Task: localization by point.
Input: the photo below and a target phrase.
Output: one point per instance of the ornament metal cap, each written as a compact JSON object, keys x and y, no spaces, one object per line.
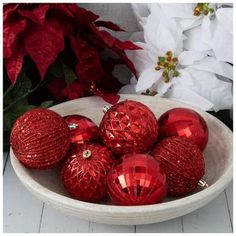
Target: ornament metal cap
{"x":203,"y":184}
{"x":105,"y":108}
{"x":87,"y":154}
{"x":72,"y":126}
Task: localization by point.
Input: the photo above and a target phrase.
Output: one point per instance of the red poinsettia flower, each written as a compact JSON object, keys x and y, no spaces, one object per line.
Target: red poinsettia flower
{"x":40,"y":30}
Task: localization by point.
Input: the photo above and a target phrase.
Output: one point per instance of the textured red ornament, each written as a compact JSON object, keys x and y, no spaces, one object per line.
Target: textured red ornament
{"x":85,"y":171}
{"x":40,"y":138}
{"x":183,"y":163}
{"x":185,"y":123}
{"x":82,"y":129}
{"x":129,"y":126}
{"x":137,"y":180}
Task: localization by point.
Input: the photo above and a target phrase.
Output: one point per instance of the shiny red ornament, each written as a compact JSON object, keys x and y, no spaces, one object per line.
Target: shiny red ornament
{"x":82,"y":129}
{"x":84,"y":172}
{"x":129,"y":127}
{"x":40,"y":138}
{"x":183,"y":163}
{"x":185,"y":123}
{"x":137,"y":180}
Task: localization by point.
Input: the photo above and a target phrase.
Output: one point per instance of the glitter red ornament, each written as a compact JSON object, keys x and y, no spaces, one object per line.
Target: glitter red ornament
{"x":82,"y":129}
{"x":183,"y":163}
{"x":84,"y":172}
{"x":185,"y":123}
{"x":40,"y":138}
{"x":129,"y":127}
{"x":137,"y":180}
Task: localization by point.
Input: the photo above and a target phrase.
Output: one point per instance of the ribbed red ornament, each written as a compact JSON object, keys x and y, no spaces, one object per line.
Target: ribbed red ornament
{"x":84,"y":172}
{"x":183,"y":163}
{"x":40,"y":138}
{"x":137,"y":180}
{"x":82,"y":129}
{"x":129,"y":127}
{"x":184,"y":122}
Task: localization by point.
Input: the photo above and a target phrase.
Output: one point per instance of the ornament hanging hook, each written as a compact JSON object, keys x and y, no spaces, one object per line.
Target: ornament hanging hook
{"x":105,"y":108}
{"x":203,"y":184}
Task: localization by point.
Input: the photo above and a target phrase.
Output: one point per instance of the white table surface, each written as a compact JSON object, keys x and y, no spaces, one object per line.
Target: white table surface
{"x":22,"y":212}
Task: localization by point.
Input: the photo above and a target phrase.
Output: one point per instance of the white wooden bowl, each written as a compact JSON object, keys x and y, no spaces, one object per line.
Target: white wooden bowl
{"x":46,"y":186}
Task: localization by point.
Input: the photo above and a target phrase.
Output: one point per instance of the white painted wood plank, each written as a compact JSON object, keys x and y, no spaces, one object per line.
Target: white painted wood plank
{"x":54,"y":221}
{"x":229,"y":195}
{"x":213,"y":218}
{"x":5,"y":156}
{"x":170,"y":226}
{"x":21,"y":210}
{"x":102,"y":228}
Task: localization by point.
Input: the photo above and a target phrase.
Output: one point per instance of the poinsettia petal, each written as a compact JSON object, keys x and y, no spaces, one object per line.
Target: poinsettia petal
{"x":81,"y":14}
{"x":37,"y":15}
{"x":185,"y":95}
{"x":189,"y":57}
{"x":109,"y":25}
{"x":217,"y":91}
{"x":211,"y":64}
{"x":147,"y":78}
{"x":44,"y":43}
{"x":88,"y":66}
{"x":140,"y":58}
{"x":184,"y":78}
{"x":111,"y":98}
{"x":162,"y":33}
{"x":222,"y":35}
{"x":8,"y":10}
{"x":14,"y":64}
{"x":178,"y":10}
{"x":11,"y":32}
{"x":194,"y":40}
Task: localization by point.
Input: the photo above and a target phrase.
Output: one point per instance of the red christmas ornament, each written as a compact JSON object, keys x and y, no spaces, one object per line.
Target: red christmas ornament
{"x":85,"y":171}
{"x":137,"y":180}
{"x":40,"y":138}
{"x":129,"y":126}
{"x":183,"y":163}
{"x":82,"y":129}
{"x":185,"y":123}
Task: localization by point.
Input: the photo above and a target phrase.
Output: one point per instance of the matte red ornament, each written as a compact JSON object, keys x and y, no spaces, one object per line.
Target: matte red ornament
{"x":137,"y":180}
{"x":185,"y":123}
{"x":85,"y":171}
{"x":183,"y":163}
{"x":40,"y":138}
{"x":129,"y":127}
{"x":82,"y":129}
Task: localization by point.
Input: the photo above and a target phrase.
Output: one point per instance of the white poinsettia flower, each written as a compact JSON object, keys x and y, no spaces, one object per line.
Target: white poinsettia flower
{"x":207,"y":26}
{"x":163,"y":66}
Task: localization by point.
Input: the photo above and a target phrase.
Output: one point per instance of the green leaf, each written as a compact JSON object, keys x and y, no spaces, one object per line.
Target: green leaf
{"x":56,"y":69}
{"x":69,"y":74}
{"x":21,"y":87}
{"x":47,"y":104}
{"x":16,"y":111}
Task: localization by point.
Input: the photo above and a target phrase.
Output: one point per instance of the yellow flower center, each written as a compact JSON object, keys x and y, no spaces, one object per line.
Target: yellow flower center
{"x":168,"y":64}
{"x":202,"y":9}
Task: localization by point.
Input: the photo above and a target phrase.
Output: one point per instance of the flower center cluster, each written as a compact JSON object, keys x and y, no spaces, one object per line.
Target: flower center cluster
{"x":168,"y":64}
{"x":202,"y":9}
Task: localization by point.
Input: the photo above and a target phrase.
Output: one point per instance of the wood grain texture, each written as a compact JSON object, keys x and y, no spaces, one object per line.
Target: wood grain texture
{"x":54,"y":221}
{"x":229,"y":199}
{"x":5,"y":158}
{"x":213,"y":218}
{"x":101,"y":228}
{"x":170,"y":226}
{"x":21,"y":210}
